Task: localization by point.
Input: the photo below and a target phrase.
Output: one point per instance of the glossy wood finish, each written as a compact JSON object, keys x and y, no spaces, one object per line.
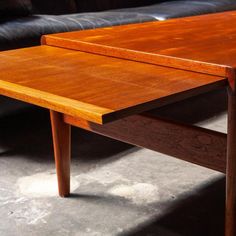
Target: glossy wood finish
{"x":96,"y":88}
{"x":201,"y":43}
{"x":193,"y":144}
{"x":168,"y":62}
{"x":62,"y":151}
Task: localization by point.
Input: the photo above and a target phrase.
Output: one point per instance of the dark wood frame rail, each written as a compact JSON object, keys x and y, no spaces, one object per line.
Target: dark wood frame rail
{"x":190,"y":143}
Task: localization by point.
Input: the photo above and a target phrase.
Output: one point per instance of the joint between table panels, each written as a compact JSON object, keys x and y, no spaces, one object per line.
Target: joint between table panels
{"x":231,"y":76}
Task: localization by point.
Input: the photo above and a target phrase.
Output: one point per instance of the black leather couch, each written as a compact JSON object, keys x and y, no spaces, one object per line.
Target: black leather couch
{"x":22,"y":22}
{"x":21,"y":28}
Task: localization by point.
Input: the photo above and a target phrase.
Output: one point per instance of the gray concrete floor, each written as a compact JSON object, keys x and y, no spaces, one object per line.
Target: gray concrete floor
{"x":118,"y":189}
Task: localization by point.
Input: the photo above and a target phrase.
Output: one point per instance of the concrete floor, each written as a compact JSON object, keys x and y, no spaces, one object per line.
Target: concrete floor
{"x":118,"y":189}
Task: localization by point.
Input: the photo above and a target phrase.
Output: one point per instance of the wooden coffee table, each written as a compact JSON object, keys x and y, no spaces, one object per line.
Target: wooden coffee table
{"x":104,"y":80}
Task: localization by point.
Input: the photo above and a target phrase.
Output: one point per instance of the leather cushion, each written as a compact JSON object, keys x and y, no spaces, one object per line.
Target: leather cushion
{"x":9,"y":8}
{"x":31,"y":28}
{"x":181,"y":8}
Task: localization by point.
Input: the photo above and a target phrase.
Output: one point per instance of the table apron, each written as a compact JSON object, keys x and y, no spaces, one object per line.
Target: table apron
{"x":187,"y":142}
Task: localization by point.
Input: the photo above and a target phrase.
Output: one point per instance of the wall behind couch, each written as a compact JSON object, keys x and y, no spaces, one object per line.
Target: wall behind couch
{"x":54,"y":6}
{"x":100,"y":5}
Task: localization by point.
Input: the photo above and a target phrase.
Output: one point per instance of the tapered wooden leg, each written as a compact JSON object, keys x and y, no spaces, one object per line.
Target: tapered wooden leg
{"x":230,"y":223}
{"x":61,"y":133}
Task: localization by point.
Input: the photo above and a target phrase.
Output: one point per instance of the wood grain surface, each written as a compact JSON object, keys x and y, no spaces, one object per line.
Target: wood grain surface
{"x":93,"y":87}
{"x":203,"y":43}
{"x":61,"y":133}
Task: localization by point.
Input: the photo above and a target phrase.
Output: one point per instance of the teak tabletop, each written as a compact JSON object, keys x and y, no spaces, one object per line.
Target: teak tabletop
{"x":102,"y":80}
{"x":96,"y":88}
{"x":203,"y":43}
